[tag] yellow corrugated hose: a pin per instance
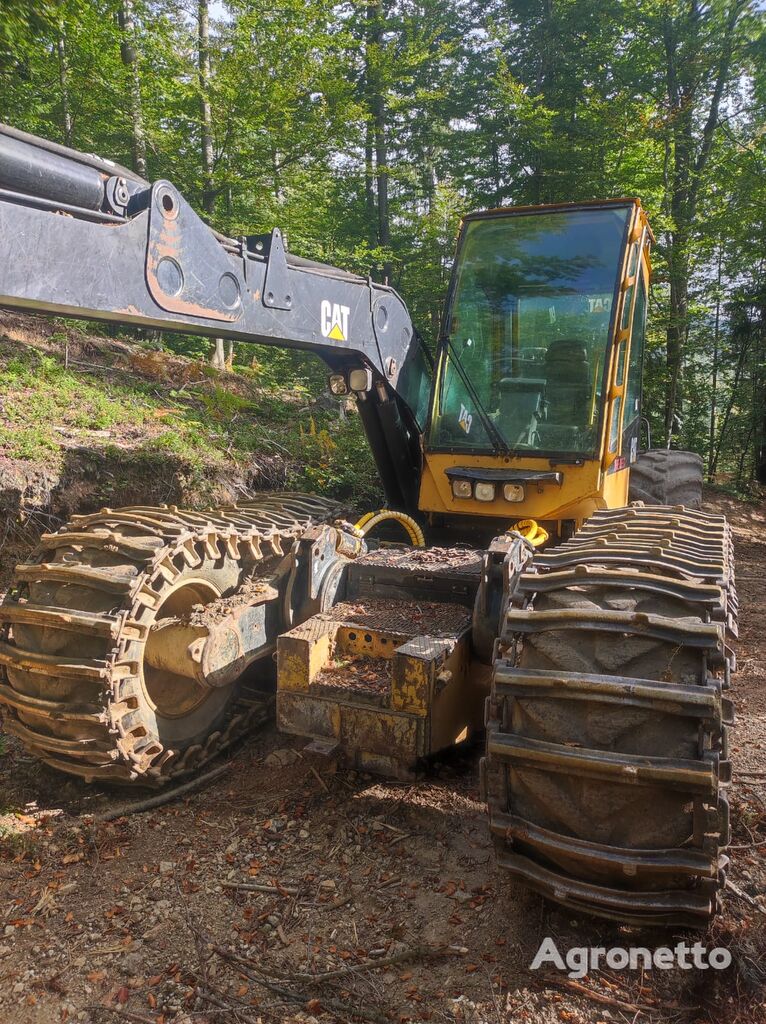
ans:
(371, 520)
(531, 530)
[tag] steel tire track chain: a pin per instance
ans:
(75, 709)
(590, 589)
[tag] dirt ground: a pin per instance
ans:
(368, 900)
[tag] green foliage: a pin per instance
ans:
(322, 110)
(335, 462)
(41, 399)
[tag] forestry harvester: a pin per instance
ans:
(572, 598)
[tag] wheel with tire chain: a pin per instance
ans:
(77, 685)
(621, 815)
(607, 746)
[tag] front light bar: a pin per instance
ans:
(484, 490)
(483, 483)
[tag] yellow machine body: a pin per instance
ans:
(386, 697)
(534, 275)
(584, 489)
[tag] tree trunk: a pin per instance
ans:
(693, 121)
(744, 449)
(759, 400)
(375, 18)
(679, 305)
(496, 175)
(130, 61)
(760, 454)
(743, 353)
(760, 466)
(369, 186)
(206, 117)
(66, 112)
(218, 358)
(714, 379)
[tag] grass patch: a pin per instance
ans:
(38, 395)
(204, 425)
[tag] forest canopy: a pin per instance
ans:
(365, 129)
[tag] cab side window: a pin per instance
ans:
(636, 362)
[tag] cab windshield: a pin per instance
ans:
(522, 365)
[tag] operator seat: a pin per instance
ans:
(568, 383)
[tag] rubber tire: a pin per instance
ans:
(667, 477)
(129, 722)
(617, 815)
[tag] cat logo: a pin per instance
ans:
(599, 303)
(334, 320)
(465, 420)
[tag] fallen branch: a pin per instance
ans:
(101, 367)
(336, 904)
(600, 997)
(411, 953)
(744, 896)
(278, 890)
(754, 786)
(398, 839)
(319, 778)
(338, 1007)
(135, 1018)
(239, 1011)
(403, 955)
(162, 798)
(389, 883)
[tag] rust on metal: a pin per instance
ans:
(76, 626)
(386, 682)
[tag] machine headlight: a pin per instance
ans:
(338, 384)
(513, 492)
(484, 491)
(360, 380)
(462, 489)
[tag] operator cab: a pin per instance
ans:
(536, 400)
(527, 332)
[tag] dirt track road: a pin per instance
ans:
(389, 890)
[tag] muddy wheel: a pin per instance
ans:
(88, 686)
(607, 741)
(663, 477)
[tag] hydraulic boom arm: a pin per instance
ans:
(83, 237)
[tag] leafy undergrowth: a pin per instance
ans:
(150, 425)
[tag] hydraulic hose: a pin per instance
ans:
(372, 519)
(531, 530)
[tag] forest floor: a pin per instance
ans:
(372, 900)
(368, 900)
